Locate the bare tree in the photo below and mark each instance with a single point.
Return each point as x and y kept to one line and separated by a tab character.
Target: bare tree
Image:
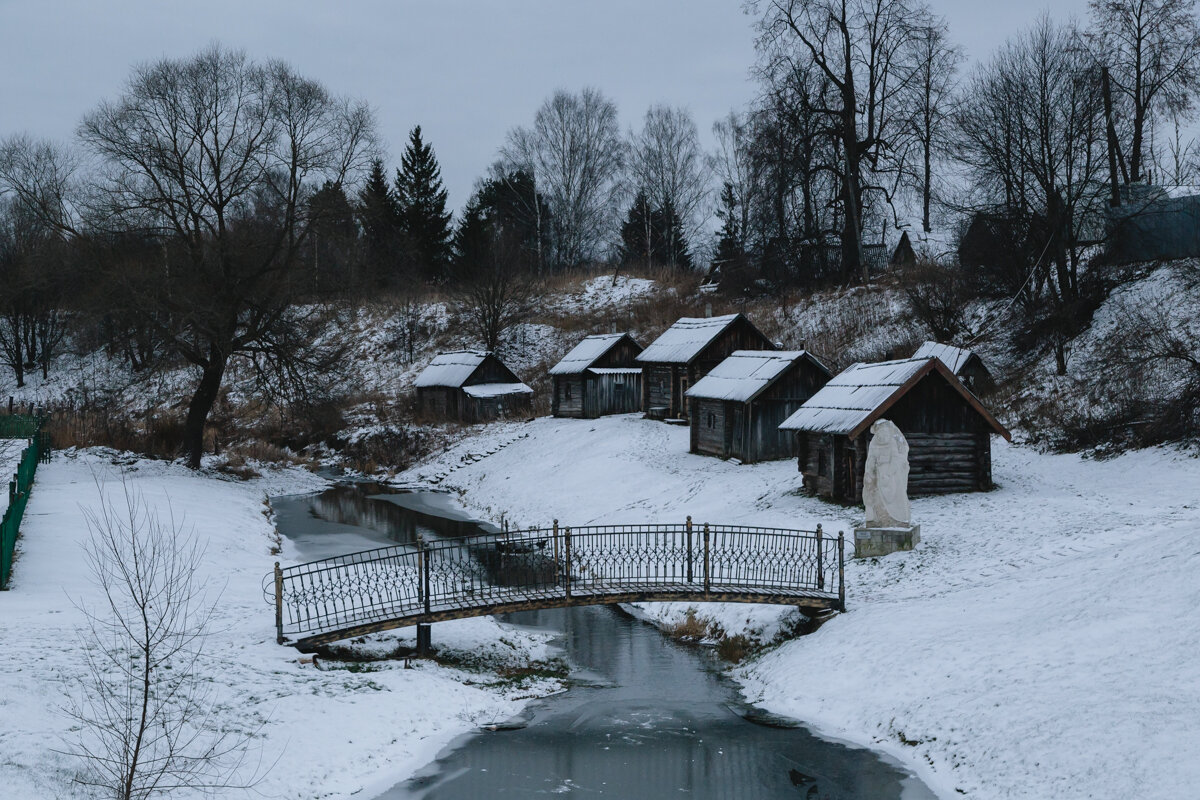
145	710
932	93
860	47
666	161
575	154
1032	132
215	157
1152	51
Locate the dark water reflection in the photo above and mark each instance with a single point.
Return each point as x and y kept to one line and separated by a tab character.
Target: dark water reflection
649	718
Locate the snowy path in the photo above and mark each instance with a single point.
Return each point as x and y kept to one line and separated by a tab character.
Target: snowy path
334	732
1041	642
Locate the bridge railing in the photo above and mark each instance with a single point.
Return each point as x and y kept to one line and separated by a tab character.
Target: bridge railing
554	566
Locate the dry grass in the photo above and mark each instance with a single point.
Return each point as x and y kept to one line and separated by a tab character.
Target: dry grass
690	628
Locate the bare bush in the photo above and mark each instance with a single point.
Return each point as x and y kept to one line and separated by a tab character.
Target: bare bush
938	296
145	712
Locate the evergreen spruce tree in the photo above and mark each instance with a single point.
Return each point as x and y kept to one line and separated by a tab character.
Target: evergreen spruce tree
672	243
730	260
421	204
638	234
511	201
380	223
331	251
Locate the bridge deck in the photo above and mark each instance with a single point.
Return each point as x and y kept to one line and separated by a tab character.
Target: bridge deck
375	590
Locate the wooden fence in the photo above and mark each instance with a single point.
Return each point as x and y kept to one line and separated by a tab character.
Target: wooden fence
19	426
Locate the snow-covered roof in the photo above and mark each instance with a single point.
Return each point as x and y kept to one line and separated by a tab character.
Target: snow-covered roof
496	389
586	353
953	357
745	374
451	369
615	370
684	340
862	393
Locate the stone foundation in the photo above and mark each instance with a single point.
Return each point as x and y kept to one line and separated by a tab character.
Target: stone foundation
873	542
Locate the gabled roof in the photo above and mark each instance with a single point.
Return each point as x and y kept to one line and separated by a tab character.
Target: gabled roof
588	352
863	393
748	373
953	357
686	339
451	369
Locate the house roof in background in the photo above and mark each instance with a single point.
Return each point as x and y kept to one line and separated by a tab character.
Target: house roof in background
747	373
590	350
451	369
685	340
863	393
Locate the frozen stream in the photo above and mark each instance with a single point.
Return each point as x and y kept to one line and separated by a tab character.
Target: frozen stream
646	717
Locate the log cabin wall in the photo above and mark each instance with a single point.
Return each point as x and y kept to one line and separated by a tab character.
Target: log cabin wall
656	386
485	409
441	402
740	335
612	393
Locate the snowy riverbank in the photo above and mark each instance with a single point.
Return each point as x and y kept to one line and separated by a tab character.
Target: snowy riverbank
330	733
1039	643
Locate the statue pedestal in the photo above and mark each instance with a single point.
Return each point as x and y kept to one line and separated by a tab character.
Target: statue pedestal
873	542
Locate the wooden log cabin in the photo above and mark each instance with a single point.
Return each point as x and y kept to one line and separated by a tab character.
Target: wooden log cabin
685	353
598	376
965	364
471	386
738	406
948	430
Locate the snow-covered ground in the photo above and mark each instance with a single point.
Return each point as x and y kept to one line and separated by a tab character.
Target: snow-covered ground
1040	642
329	732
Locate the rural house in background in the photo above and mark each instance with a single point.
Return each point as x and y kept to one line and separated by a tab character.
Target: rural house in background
738	406
966	365
599	376
947	428
685	353
470	386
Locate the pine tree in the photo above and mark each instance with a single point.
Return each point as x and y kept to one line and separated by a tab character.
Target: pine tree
380	223
421	203
513	204
672	243
333	241
730	260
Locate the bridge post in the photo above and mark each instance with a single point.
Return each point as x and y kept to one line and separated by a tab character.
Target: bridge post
567	551
689	548
423	582
278	604
707	561
820	562
424	639
841	571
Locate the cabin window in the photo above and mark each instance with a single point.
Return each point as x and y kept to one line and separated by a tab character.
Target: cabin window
711	420
822	463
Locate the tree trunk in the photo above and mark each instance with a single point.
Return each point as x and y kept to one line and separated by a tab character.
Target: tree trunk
200	406
927	189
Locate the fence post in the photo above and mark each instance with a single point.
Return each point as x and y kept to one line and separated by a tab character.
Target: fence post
557	565
841	571
278	604
423	582
689	549
820	562
567	551
707	561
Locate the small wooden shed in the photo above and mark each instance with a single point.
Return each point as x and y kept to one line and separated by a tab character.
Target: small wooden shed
685	353
599	376
738	406
947	428
966	364
471	386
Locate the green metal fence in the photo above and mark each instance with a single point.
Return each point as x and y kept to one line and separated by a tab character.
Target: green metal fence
38	450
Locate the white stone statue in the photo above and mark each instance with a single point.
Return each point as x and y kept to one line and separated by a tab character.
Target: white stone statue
885	478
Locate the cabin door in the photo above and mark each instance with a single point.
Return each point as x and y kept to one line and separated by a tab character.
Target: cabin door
683	398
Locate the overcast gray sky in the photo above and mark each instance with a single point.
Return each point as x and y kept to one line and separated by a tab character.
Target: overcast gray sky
465	70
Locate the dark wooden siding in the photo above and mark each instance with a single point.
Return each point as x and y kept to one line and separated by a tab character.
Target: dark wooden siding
439	402
740	335
612	394
710	428
656	385
568	396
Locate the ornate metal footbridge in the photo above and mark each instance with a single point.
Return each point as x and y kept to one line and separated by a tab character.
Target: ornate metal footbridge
440	579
